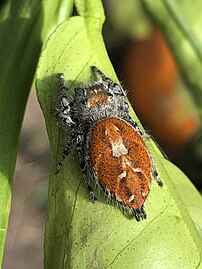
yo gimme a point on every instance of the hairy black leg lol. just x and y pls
(139, 213)
(69, 146)
(137, 128)
(101, 74)
(63, 113)
(155, 175)
(80, 142)
(113, 87)
(104, 78)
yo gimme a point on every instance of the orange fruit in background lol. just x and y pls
(152, 79)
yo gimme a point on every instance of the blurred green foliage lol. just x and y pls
(24, 25)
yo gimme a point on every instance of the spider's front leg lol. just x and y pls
(63, 112)
(113, 87)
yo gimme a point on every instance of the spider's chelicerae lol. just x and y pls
(112, 152)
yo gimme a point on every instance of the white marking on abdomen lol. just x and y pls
(132, 197)
(118, 148)
(137, 170)
(122, 175)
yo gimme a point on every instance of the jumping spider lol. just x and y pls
(112, 152)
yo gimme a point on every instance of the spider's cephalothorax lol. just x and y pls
(111, 147)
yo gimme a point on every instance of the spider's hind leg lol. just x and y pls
(138, 128)
(155, 174)
(139, 213)
(68, 147)
(83, 165)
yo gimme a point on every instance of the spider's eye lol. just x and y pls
(110, 94)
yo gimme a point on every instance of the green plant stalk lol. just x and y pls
(15, 83)
(21, 31)
(180, 22)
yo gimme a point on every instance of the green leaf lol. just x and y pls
(80, 234)
(190, 197)
(21, 33)
(181, 24)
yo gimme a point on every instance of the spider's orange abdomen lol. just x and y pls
(120, 161)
